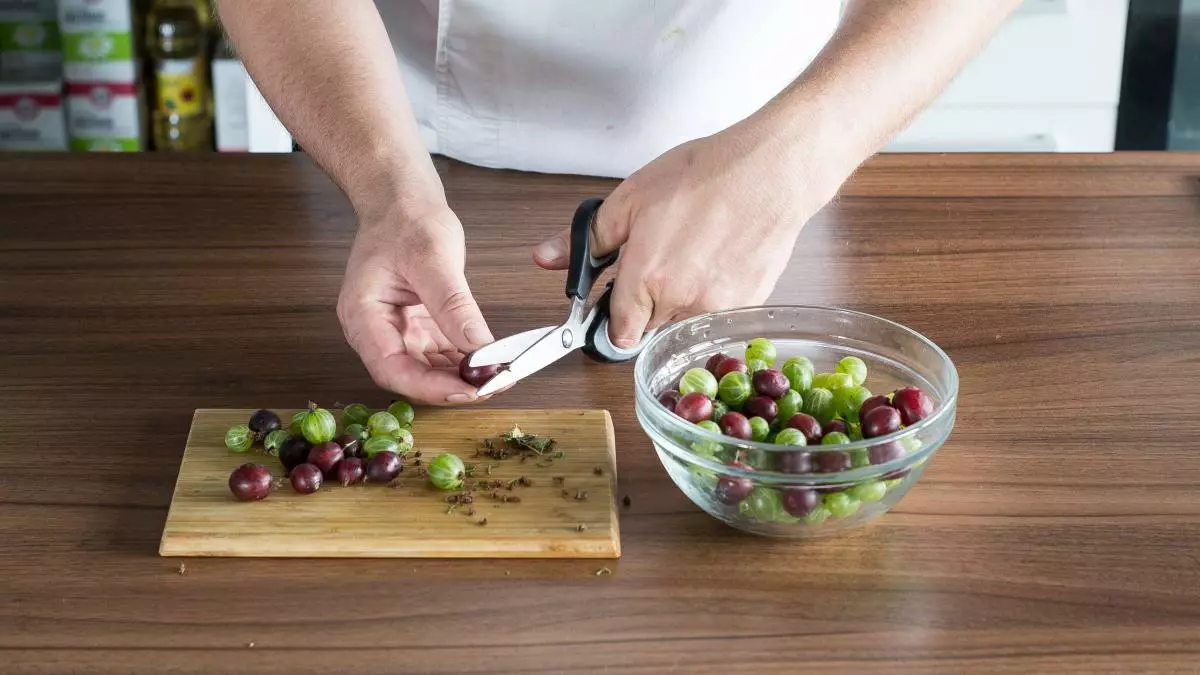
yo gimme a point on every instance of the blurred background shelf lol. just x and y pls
(130, 75)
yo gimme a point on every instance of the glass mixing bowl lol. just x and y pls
(805, 503)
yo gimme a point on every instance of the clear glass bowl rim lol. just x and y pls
(663, 418)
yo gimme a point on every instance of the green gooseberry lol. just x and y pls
(765, 505)
(821, 380)
(356, 413)
(446, 471)
(709, 425)
(377, 444)
(841, 504)
(358, 431)
(383, 423)
(790, 436)
(275, 440)
(239, 438)
(789, 404)
(891, 484)
(761, 349)
(297, 420)
(911, 444)
(698, 379)
(403, 411)
(849, 400)
(709, 449)
(735, 388)
(719, 409)
(318, 426)
(759, 459)
(835, 438)
(759, 429)
(839, 381)
(855, 368)
(859, 458)
(404, 441)
(855, 431)
(817, 516)
(819, 404)
(755, 365)
(870, 491)
(799, 372)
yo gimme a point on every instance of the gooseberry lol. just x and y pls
(793, 461)
(790, 436)
(870, 491)
(694, 407)
(885, 452)
(325, 456)
(735, 425)
(807, 424)
(761, 349)
(761, 406)
(764, 504)
(913, 404)
(351, 445)
(293, 453)
(404, 441)
(788, 405)
(297, 420)
(378, 444)
(350, 471)
(355, 413)
(263, 422)
(832, 462)
(770, 382)
(669, 399)
(839, 381)
(755, 365)
(855, 368)
(800, 501)
(730, 365)
(821, 380)
(734, 388)
(476, 376)
(713, 362)
(834, 425)
(383, 423)
(841, 504)
(239, 438)
(759, 429)
(446, 471)
(849, 400)
(383, 467)
(306, 479)
(403, 412)
(732, 490)
(719, 410)
(881, 421)
(872, 403)
(835, 438)
(799, 372)
(275, 440)
(698, 380)
(250, 482)
(709, 425)
(818, 402)
(318, 425)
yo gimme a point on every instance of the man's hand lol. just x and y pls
(405, 306)
(708, 225)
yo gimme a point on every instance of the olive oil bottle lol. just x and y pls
(177, 44)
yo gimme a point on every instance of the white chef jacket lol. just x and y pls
(594, 87)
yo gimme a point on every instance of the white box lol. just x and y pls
(31, 116)
(104, 117)
(98, 40)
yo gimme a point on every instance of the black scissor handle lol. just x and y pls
(597, 344)
(585, 268)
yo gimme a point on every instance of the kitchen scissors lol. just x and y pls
(586, 328)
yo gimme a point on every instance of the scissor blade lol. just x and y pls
(506, 349)
(539, 355)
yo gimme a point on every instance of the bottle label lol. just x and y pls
(180, 87)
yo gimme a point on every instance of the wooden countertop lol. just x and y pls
(1058, 530)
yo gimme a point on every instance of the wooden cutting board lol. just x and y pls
(411, 520)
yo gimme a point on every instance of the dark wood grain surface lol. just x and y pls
(1057, 531)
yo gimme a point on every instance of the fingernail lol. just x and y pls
(551, 250)
(477, 333)
(460, 398)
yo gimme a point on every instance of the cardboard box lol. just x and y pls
(98, 41)
(30, 48)
(244, 121)
(104, 117)
(31, 116)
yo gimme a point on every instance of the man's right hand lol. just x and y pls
(405, 306)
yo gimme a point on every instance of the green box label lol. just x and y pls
(32, 36)
(97, 47)
(105, 145)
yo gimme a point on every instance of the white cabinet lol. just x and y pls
(1048, 81)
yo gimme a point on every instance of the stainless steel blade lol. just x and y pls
(505, 350)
